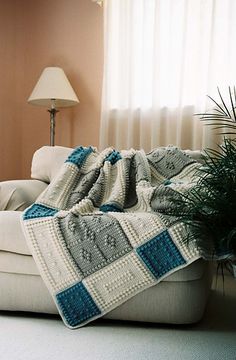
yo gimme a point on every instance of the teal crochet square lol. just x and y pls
(77, 305)
(113, 157)
(37, 211)
(79, 155)
(160, 254)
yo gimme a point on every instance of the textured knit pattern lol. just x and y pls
(99, 234)
(160, 254)
(94, 241)
(77, 305)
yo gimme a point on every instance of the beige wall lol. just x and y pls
(10, 127)
(33, 35)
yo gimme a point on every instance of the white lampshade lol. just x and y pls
(53, 89)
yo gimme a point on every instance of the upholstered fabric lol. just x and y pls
(167, 302)
(21, 292)
(47, 161)
(12, 238)
(17, 263)
(19, 194)
(25, 264)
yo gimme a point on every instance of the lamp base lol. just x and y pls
(52, 112)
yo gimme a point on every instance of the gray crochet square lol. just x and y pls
(96, 191)
(139, 168)
(81, 190)
(94, 241)
(169, 161)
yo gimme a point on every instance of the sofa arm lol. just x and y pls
(19, 194)
(47, 161)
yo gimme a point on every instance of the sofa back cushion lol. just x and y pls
(48, 159)
(196, 155)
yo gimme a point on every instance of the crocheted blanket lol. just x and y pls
(97, 232)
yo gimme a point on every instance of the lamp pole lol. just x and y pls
(52, 112)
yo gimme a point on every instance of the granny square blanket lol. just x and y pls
(98, 233)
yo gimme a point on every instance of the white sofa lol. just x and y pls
(181, 298)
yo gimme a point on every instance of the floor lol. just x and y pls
(31, 337)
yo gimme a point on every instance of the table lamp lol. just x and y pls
(54, 91)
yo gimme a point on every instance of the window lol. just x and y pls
(162, 57)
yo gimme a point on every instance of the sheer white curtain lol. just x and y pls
(161, 59)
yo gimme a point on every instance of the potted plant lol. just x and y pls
(209, 208)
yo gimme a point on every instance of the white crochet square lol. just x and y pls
(51, 255)
(188, 249)
(118, 282)
(188, 174)
(139, 227)
(57, 193)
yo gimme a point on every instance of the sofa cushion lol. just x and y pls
(17, 263)
(48, 159)
(17, 195)
(191, 272)
(167, 302)
(196, 155)
(24, 264)
(12, 238)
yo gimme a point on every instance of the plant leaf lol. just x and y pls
(232, 104)
(223, 102)
(217, 105)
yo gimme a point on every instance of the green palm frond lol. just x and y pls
(209, 208)
(223, 116)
